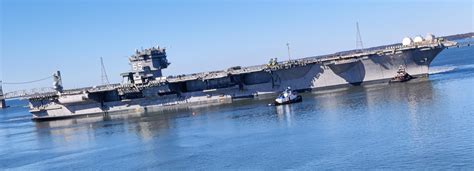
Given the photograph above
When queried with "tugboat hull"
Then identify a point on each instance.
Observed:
(296, 100)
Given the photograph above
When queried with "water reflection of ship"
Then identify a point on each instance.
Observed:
(144, 125)
(285, 114)
(66, 133)
(416, 96)
(403, 102)
(412, 93)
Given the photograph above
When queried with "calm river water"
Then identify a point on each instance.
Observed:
(420, 124)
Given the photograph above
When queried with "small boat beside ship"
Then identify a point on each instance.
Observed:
(402, 76)
(287, 97)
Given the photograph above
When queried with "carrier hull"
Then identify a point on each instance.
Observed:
(306, 74)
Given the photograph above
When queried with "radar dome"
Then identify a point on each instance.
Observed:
(407, 41)
(418, 39)
(429, 37)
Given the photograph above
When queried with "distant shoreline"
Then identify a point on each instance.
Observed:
(459, 36)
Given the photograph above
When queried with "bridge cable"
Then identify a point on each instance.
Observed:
(28, 82)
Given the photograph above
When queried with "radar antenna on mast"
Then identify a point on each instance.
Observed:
(359, 44)
(105, 79)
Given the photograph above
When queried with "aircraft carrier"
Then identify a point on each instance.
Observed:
(144, 88)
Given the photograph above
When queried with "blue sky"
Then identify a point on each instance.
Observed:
(41, 36)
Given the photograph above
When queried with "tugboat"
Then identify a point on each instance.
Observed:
(288, 96)
(402, 75)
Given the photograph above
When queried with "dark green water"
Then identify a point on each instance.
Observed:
(416, 125)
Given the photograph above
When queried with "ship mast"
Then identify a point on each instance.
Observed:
(289, 56)
(359, 44)
(105, 79)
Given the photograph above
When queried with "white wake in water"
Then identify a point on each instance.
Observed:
(441, 69)
(448, 68)
(20, 118)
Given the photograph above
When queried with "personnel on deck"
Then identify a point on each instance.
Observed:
(270, 63)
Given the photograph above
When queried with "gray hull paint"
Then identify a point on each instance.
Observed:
(375, 68)
(354, 72)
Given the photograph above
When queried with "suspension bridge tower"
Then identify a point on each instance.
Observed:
(2, 99)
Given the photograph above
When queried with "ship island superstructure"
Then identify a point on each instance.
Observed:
(144, 88)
